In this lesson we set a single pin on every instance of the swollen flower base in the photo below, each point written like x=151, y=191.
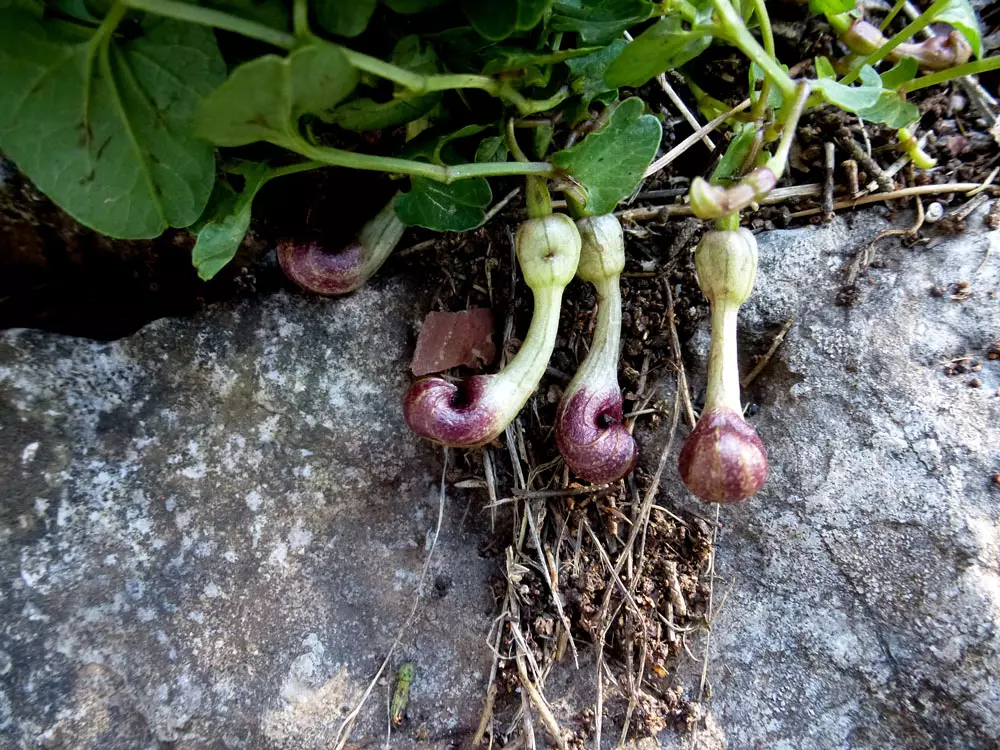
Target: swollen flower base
x=548, y=251
x=589, y=431
x=316, y=269
x=723, y=460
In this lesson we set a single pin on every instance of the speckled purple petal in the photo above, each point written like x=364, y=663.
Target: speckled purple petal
x=723, y=460
x=591, y=437
x=315, y=269
x=451, y=415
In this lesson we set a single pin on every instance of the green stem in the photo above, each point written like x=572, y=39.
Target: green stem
x=728, y=223
x=289, y=169
x=737, y=34
x=892, y=14
x=723, y=362
x=300, y=19
x=839, y=22
x=215, y=18
x=779, y=161
x=537, y=197
x=767, y=36
x=414, y=82
x=336, y=157
x=943, y=76
x=924, y=20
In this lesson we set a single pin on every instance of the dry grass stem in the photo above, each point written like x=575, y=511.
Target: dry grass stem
x=692, y=139
x=682, y=108
x=763, y=361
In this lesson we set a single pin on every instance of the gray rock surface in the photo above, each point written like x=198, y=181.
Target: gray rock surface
x=211, y=531
x=862, y=584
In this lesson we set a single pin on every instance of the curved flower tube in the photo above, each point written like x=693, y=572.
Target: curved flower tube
x=723, y=460
x=936, y=53
x=589, y=430
x=316, y=269
x=548, y=251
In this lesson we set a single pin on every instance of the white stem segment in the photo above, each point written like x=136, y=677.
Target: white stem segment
x=518, y=380
x=723, y=365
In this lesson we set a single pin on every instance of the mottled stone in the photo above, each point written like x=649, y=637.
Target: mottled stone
x=211, y=532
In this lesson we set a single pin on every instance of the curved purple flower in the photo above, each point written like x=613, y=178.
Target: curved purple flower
x=723, y=460
x=589, y=431
x=473, y=414
x=315, y=268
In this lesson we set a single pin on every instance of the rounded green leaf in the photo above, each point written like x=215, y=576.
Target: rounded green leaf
x=610, y=163
x=103, y=129
x=262, y=100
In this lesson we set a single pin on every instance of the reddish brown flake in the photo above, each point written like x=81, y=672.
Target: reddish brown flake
x=450, y=339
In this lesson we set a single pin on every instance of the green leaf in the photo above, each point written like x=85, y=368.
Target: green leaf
x=851, y=98
x=498, y=19
x=542, y=139
x=822, y=7
x=409, y=7
x=438, y=153
x=598, y=21
x=366, y=114
x=228, y=217
x=736, y=153
x=102, y=128
x=535, y=67
x=587, y=73
x=961, y=15
x=493, y=148
x=362, y=115
x=262, y=100
x=774, y=98
x=78, y=9
x=663, y=46
x=272, y=13
x=344, y=17
x=824, y=68
x=610, y=163
x=891, y=109
x=445, y=208
x=905, y=70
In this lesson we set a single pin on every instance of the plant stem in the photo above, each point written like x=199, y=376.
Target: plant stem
x=416, y=83
x=216, y=18
x=943, y=76
x=300, y=19
x=289, y=169
x=536, y=195
x=779, y=161
x=892, y=14
x=737, y=34
x=924, y=20
x=336, y=157
x=723, y=362
x=767, y=35
x=728, y=223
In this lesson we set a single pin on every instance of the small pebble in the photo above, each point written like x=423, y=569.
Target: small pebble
x=934, y=212
x=975, y=383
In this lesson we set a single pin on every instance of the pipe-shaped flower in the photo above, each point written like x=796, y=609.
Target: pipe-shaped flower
x=723, y=460
x=939, y=52
x=589, y=429
x=316, y=269
x=548, y=251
